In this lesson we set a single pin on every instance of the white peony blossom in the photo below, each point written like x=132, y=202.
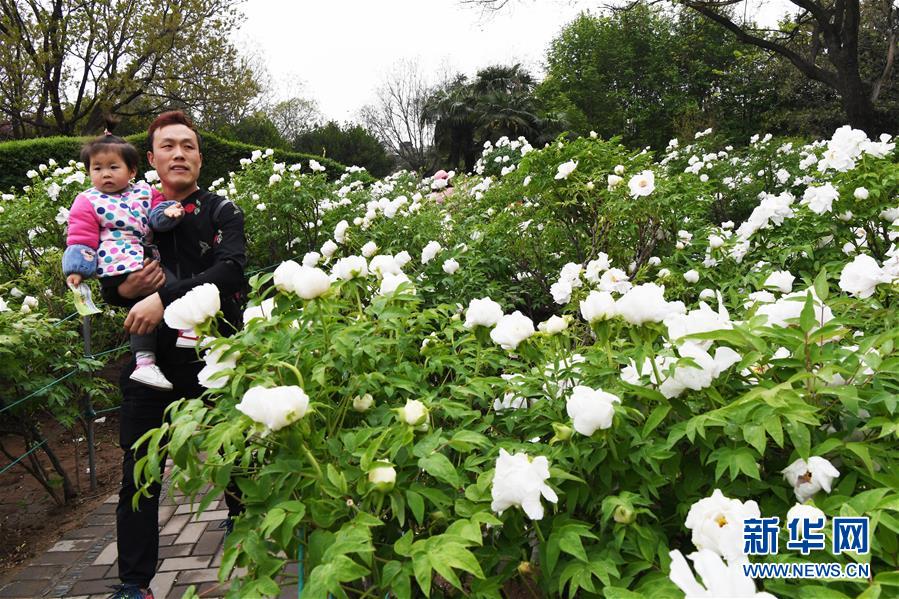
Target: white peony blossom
x=482, y=312
x=369, y=249
x=391, y=282
x=383, y=265
x=450, y=266
x=520, y=481
x=642, y=184
x=820, y=199
x=362, y=403
x=429, y=251
x=211, y=375
x=274, y=407
x=800, y=511
x=311, y=259
x=691, y=276
x=807, y=478
x=861, y=277
x=350, y=268
x=554, y=324
x=860, y=193
x=646, y=303
x=599, y=305
x=590, y=409
x=561, y=291
x=263, y=311
x=595, y=268
x=614, y=280
x=782, y=280
x=328, y=248
x=613, y=181
x=717, y=524
x=340, y=231
x=512, y=329
x=790, y=307
x=402, y=258
x=565, y=169
x=719, y=579
x=193, y=308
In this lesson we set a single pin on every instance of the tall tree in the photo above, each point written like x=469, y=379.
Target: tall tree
x=67, y=65
x=396, y=117
x=821, y=40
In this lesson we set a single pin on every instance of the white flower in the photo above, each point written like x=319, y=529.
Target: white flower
x=512, y=329
x=717, y=524
x=382, y=476
x=4, y=307
x=311, y=259
x=790, y=306
x=263, y=311
x=361, y=403
x=860, y=193
x=391, y=282
x=614, y=280
x=590, y=409
x=210, y=376
x=429, y=251
x=646, y=303
x=519, y=481
x=328, y=248
x=350, y=268
x=414, y=413
x=482, y=312
x=309, y=283
x=561, y=291
x=383, y=265
x=781, y=280
x=719, y=580
x=715, y=241
x=613, y=181
x=820, y=199
x=566, y=169
x=861, y=277
x=800, y=511
x=32, y=174
x=450, y=266
x=340, y=231
x=554, y=324
x=596, y=267
x=369, y=249
x=691, y=276
x=402, y=258
x=275, y=407
x=274, y=179
x=599, y=305
x=663, y=273
x=315, y=166
x=193, y=308
x=642, y=184
x=702, y=320
x=619, y=169
x=807, y=478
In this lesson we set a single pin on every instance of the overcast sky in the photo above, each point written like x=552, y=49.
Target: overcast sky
x=342, y=49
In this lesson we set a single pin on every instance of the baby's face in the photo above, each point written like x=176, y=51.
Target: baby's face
x=109, y=173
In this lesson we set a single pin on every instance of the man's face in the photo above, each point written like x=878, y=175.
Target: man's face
x=176, y=156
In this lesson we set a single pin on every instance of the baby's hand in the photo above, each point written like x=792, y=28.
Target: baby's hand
x=74, y=280
x=174, y=211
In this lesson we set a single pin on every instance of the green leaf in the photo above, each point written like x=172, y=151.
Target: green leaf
x=416, y=504
x=754, y=434
x=421, y=567
x=861, y=450
x=336, y=478
x=821, y=287
x=439, y=466
x=807, y=320
x=655, y=418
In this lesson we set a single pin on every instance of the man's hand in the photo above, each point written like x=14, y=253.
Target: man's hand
x=143, y=282
x=174, y=211
x=145, y=316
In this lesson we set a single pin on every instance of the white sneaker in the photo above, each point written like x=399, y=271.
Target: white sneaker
x=187, y=339
x=151, y=376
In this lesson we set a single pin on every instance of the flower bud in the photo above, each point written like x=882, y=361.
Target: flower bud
x=525, y=568
x=624, y=515
x=413, y=413
x=382, y=476
x=563, y=431
x=362, y=403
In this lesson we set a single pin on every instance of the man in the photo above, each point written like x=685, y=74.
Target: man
x=207, y=246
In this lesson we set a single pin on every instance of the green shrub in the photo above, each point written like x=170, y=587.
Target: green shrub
x=220, y=157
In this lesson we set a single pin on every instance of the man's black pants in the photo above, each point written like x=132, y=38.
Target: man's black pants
x=138, y=530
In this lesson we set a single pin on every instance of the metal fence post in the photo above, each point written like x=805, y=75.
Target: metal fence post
x=89, y=413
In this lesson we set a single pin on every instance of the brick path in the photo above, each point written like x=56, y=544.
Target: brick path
x=83, y=563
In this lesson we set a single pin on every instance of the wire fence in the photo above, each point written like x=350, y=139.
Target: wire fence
x=89, y=413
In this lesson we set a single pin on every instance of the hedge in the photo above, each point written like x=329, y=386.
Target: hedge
x=219, y=157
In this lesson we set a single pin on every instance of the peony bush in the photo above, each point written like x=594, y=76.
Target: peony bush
x=577, y=371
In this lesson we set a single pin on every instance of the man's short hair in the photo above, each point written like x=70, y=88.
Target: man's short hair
x=173, y=117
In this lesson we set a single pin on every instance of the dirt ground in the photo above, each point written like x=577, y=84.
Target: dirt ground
x=30, y=520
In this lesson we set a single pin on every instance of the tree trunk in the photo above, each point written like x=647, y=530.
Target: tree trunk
x=859, y=110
